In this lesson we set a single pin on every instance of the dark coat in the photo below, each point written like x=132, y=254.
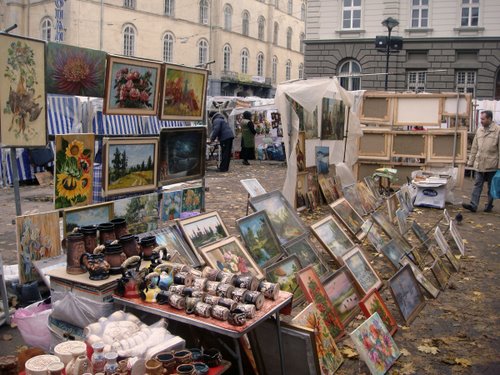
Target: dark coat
x=220, y=129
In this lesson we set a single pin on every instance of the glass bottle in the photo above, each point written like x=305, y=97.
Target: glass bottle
x=97, y=359
x=111, y=364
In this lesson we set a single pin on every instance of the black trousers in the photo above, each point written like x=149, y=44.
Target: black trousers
x=226, y=146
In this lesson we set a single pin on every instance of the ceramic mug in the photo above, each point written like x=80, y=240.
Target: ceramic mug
x=224, y=290
x=211, y=300
x=238, y=295
x=237, y=317
x=256, y=298
x=211, y=287
x=177, y=302
x=227, y=302
x=210, y=273
x=246, y=282
x=226, y=277
x=168, y=362
x=177, y=289
x=220, y=312
x=183, y=278
x=203, y=309
x=270, y=290
x=249, y=309
x=200, y=283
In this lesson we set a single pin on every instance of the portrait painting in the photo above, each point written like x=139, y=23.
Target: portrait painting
x=170, y=205
x=203, y=230
x=332, y=119
x=283, y=272
x=253, y=187
x=322, y=154
x=407, y=294
x=93, y=214
x=308, y=255
x=332, y=237
x=348, y=215
x=374, y=303
x=192, y=199
x=140, y=212
x=363, y=272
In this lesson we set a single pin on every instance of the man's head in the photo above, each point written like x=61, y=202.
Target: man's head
x=486, y=118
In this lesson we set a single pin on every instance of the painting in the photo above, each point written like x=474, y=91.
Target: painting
x=203, y=230
x=426, y=284
x=300, y=150
x=332, y=237
x=407, y=294
x=259, y=238
x=192, y=199
x=366, y=197
x=351, y=194
x=344, y=294
x=89, y=215
x=455, y=234
x=374, y=234
x=363, y=273
x=284, y=220
x=375, y=345
x=253, y=187
x=326, y=189
x=311, y=123
x=23, y=109
x=420, y=233
x=129, y=165
x=301, y=191
x=37, y=238
x=283, y=272
x=314, y=292
x=332, y=119
x=330, y=357
x=401, y=216
x=370, y=183
x=229, y=255
x=182, y=154
x=393, y=253
x=386, y=225
x=141, y=212
x=170, y=205
x=312, y=187
x=440, y=274
x=75, y=71
x=132, y=86
x=373, y=303
x=74, y=170
x=322, y=154
x=308, y=255
x=346, y=213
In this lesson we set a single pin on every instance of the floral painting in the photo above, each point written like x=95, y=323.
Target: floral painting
x=192, y=199
x=373, y=303
x=22, y=92
x=74, y=170
x=184, y=93
x=283, y=272
x=140, y=212
x=75, y=71
x=170, y=206
x=375, y=345
x=37, y=238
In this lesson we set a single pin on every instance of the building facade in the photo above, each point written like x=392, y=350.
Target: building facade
x=448, y=45
x=248, y=45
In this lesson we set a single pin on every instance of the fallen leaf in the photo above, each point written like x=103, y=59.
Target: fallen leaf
x=463, y=362
x=6, y=337
x=428, y=349
x=349, y=352
x=408, y=369
x=405, y=352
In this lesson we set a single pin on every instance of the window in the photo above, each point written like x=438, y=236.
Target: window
x=420, y=13
x=289, y=38
x=289, y=7
x=129, y=4
x=470, y=13
x=275, y=33
x=260, y=64
x=349, y=75
x=202, y=51
x=277, y=4
x=129, y=40
x=204, y=12
x=288, y=70
x=262, y=28
x=275, y=69
x=46, y=27
x=245, y=23
x=169, y=7
x=351, y=14
x=244, y=61
x=301, y=71
x=168, y=47
x=416, y=80
x=227, y=57
x=228, y=17
x=303, y=12
x=301, y=42
x=466, y=81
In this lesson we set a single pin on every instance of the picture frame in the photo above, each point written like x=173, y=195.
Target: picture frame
x=376, y=109
x=326, y=189
x=203, y=230
x=192, y=200
x=351, y=194
x=322, y=157
x=93, y=214
x=184, y=93
x=363, y=272
x=300, y=150
x=392, y=203
x=301, y=191
x=375, y=144
x=283, y=272
x=421, y=234
x=440, y=274
x=374, y=234
x=141, y=212
x=348, y=216
x=229, y=255
x=401, y=216
x=457, y=238
x=409, y=144
x=374, y=303
x=132, y=86
x=370, y=183
x=441, y=142
x=138, y=173
x=423, y=281
x=332, y=237
x=253, y=187
x=393, y=253
x=170, y=205
x=284, y=220
x=389, y=228
x=22, y=80
x=181, y=154
x=366, y=197
x=407, y=294
x=307, y=254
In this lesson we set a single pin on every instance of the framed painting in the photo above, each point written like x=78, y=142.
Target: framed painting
x=329, y=356
x=140, y=212
x=184, y=93
x=93, y=214
x=314, y=292
x=344, y=294
x=253, y=187
x=308, y=255
x=401, y=216
x=182, y=154
x=259, y=238
x=192, y=199
x=203, y=230
x=440, y=274
x=129, y=165
x=374, y=234
x=87, y=65
x=393, y=253
x=74, y=170
x=423, y=281
x=170, y=205
x=420, y=233
x=283, y=272
x=311, y=123
x=366, y=197
x=132, y=86
x=457, y=238
x=301, y=191
x=284, y=220
x=363, y=272
x=332, y=119
x=23, y=108
x=347, y=215
x=322, y=155
x=38, y=238
x=351, y=194
x=333, y=238
x=373, y=188
x=229, y=255
x=407, y=294
x=455, y=263
x=386, y=225
x=373, y=303
x=326, y=189
x=300, y=150
x=313, y=199
x=375, y=345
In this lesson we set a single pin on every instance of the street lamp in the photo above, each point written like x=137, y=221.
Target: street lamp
x=390, y=23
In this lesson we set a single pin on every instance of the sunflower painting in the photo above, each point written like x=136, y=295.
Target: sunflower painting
x=75, y=71
x=74, y=170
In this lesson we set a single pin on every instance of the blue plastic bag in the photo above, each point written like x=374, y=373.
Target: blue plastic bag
x=495, y=186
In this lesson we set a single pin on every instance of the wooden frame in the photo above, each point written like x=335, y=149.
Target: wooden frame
x=333, y=238
x=409, y=144
x=132, y=86
x=181, y=155
x=374, y=234
x=375, y=144
x=93, y=214
x=407, y=294
x=184, y=92
x=372, y=109
x=301, y=191
x=141, y=171
x=415, y=109
x=283, y=272
x=307, y=254
x=455, y=234
x=253, y=187
x=393, y=253
x=440, y=274
x=423, y=281
x=203, y=230
x=351, y=194
x=450, y=105
x=363, y=272
x=347, y=215
x=373, y=302
x=440, y=146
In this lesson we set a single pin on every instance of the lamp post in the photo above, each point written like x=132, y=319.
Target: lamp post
x=390, y=23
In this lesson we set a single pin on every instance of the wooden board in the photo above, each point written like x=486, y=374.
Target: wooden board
x=409, y=144
x=450, y=105
x=376, y=110
x=375, y=145
x=440, y=146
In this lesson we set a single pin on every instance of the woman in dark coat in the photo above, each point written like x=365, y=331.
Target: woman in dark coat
x=247, y=138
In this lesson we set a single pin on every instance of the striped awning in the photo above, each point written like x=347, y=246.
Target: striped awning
x=153, y=125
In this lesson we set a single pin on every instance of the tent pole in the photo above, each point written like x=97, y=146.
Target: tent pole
x=348, y=110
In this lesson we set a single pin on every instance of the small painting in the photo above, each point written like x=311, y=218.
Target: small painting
x=374, y=234
x=440, y=274
x=129, y=165
x=203, y=230
x=455, y=234
x=184, y=93
x=332, y=119
x=326, y=189
x=308, y=255
x=300, y=150
x=360, y=268
x=322, y=159
x=89, y=215
x=375, y=345
x=312, y=187
x=140, y=212
x=283, y=272
x=38, y=238
x=407, y=294
x=420, y=233
x=346, y=213
x=402, y=215
x=170, y=206
x=192, y=199
x=351, y=194
x=311, y=123
x=373, y=303
x=253, y=187
x=366, y=197
x=426, y=284
x=393, y=253
x=332, y=237
x=74, y=170
x=386, y=225
x=301, y=191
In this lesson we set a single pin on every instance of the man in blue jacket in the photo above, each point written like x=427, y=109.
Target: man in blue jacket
x=223, y=132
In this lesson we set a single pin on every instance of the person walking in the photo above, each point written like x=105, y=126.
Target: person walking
x=223, y=132
x=247, y=138
x=484, y=158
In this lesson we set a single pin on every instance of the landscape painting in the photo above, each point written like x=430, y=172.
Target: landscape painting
x=204, y=229
x=283, y=272
x=322, y=154
x=140, y=212
x=407, y=294
x=347, y=215
x=343, y=294
x=374, y=234
x=363, y=273
x=332, y=237
x=308, y=255
x=332, y=119
x=170, y=206
x=253, y=187
x=89, y=215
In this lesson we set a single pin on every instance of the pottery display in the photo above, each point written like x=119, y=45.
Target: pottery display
x=147, y=245
x=120, y=227
x=64, y=349
x=75, y=248
x=106, y=233
x=111, y=363
x=38, y=365
x=129, y=245
x=115, y=257
x=79, y=364
x=89, y=237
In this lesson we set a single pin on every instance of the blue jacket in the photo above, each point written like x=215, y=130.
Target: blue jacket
x=220, y=129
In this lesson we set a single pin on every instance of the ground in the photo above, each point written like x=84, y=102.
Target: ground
x=457, y=333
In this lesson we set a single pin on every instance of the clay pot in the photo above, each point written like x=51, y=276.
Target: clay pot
x=106, y=232
x=115, y=257
x=168, y=362
x=147, y=244
x=129, y=244
x=154, y=367
x=75, y=248
x=183, y=357
x=186, y=369
x=120, y=227
x=89, y=237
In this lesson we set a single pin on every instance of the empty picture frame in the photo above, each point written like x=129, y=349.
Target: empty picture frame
x=363, y=272
x=203, y=230
x=409, y=144
x=375, y=144
x=333, y=238
x=253, y=187
x=376, y=110
x=440, y=146
x=347, y=215
x=407, y=294
x=450, y=105
x=418, y=110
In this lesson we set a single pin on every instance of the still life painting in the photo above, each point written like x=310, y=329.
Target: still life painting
x=170, y=206
x=192, y=199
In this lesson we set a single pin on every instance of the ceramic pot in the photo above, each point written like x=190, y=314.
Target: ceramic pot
x=168, y=362
x=238, y=295
x=183, y=357
x=79, y=364
x=211, y=300
x=256, y=298
x=120, y=227
x=115, y=257
x=166, y=280
x=201, y=368
x=184, y=278
x=64, y=349
x=147, y=244
x=129, y=245
x=199, y=283
x=186, y=370
x=106, y=232
x=224, y=290
x=210, y=273
x=220, y=312
x=75, y=248
x=270, y=290
x=38, y=365
x=177, y=302
x=98, y=361
x=203, y=309
x=246, y=282
x=154, y=367
x=237, y=317
x=227, y=302
x=55, y=368
x=249, y=309
x=225, y=277
x=89, y=237
x=196, y=354
x=96, y=265
x=211, y=287
x=111, y=365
